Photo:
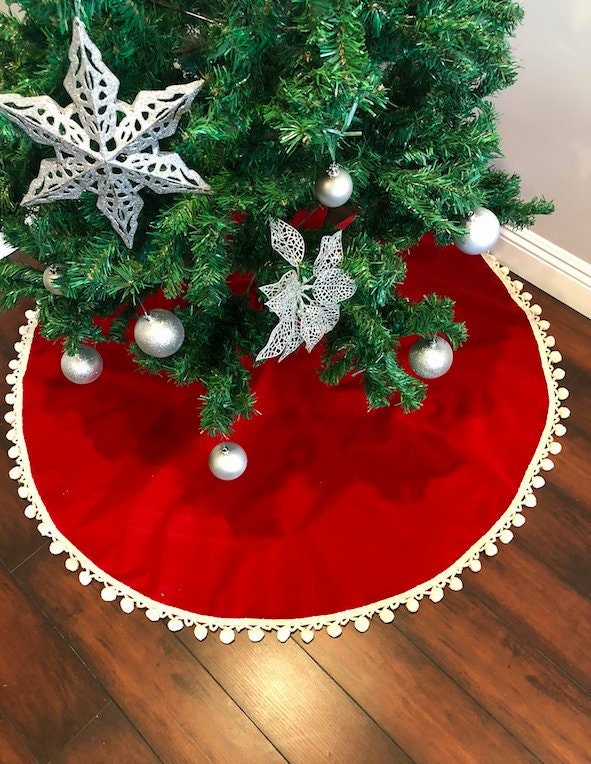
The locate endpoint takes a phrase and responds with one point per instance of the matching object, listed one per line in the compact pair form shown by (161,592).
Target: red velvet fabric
(338,508)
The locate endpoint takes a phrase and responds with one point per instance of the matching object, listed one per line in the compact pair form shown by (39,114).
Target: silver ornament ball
(482,232)
(333,187)
(50,274)
(83,367)
(430,359)
(159,333)
(227,461)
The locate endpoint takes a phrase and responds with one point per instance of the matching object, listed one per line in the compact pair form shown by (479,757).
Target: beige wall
(546,117)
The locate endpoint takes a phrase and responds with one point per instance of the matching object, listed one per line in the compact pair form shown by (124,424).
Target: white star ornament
(104,145)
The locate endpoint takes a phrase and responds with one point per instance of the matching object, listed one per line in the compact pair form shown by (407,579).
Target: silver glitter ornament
(84,367)
(104,145)
(333,187)
(159,333)
(227,461)
(430,359)
(50,274)
(482,232)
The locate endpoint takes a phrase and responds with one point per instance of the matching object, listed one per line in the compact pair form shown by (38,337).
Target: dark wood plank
(571,329)
(558,531)
(13,748)
(108,738)
(11,320)
(172,701)
(18,537)
(297,705)
(545,610)
(431,717)
(579,385)
(495,664)
(47,692)
(571,474)
(18,534)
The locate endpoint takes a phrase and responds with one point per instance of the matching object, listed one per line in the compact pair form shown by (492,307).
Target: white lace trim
(129,599)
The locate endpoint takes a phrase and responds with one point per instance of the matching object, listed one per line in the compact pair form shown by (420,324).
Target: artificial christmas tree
(395,94)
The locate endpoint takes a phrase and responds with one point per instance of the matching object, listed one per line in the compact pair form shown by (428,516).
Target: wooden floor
(499,672)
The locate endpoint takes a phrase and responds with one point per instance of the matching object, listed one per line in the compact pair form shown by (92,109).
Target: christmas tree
(396,93)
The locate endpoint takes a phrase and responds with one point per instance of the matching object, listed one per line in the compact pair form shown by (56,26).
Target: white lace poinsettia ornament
(308,308)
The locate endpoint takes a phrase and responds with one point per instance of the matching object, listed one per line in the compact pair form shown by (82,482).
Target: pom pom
(108,594)
(386,615)
(227,636)
(127,605)
(436,594)
(334,630)
(55,548)
(506,536)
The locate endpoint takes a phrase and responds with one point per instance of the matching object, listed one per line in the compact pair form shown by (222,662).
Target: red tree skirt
(341,513)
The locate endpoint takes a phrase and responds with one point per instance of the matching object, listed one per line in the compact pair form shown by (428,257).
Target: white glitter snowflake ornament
(102,144)
(307,308)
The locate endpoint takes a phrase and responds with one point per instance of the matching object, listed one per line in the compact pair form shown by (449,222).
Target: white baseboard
(547,266)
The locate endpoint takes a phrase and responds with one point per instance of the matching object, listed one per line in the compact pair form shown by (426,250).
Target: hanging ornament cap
(159,333)
(334,186)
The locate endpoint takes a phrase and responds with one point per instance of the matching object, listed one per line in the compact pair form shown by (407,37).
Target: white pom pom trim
(256,629)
